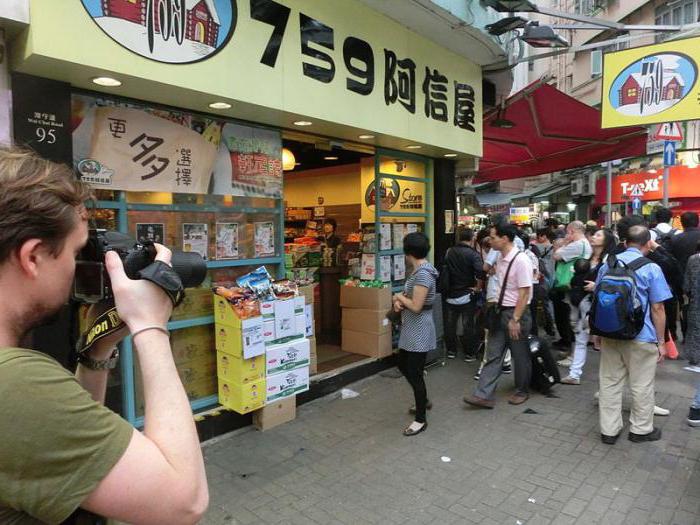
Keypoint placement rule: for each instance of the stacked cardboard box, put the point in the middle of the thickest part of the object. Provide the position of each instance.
(365, 328)
(275, 414)
(311, 295)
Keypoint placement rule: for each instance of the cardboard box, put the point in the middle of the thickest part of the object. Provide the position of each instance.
(285, 321)
(368, 321)
(275, 414)
(367, 298)
(242, 397)
(202, 388)
(269, 330)
(300, 324)
(287, 356)
(287, 384)
(244, 342)
(313, 360)
(309, 320)
(299, 304)
(363, 343)
(197, 303)
(192, 344)
(235, 370)
(267, 309)
(309, 292)
(195, 371)
(225, 314)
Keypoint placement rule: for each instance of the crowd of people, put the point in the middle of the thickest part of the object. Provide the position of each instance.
(504, 288)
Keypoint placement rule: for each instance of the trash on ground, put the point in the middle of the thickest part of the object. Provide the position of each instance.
(530, 411)
(347, 393)
(532, 500)
(446, 459)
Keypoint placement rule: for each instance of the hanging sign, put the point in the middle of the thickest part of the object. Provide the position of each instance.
(669, 131)
(651, 84)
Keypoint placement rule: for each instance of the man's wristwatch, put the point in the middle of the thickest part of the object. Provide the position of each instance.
(105, 364)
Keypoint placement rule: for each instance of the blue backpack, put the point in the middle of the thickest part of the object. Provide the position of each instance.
(616, 312)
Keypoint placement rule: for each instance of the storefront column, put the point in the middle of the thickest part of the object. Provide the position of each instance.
(444, 200)
(5, 94)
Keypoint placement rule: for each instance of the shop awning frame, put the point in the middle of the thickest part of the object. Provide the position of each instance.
(552, 132)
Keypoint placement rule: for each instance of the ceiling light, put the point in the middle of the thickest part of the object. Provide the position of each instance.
(302, 123)
(365, 137)
(511, 6)
(450, 155)
(505, 25)
(330, 158)
(106, 81)
(220, 105)
(288, 160)
(413, 146)
(542, 36)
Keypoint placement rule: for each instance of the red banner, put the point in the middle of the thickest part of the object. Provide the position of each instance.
(683, 182)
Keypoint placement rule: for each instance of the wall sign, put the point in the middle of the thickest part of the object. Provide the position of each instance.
(682, 182)
(171, 31)
(41, 116)
(651, 84)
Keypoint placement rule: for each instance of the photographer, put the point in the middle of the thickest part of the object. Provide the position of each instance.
(61, 448)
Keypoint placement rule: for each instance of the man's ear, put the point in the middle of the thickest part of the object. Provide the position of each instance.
(29, 255)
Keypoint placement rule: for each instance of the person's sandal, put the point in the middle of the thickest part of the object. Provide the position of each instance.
(412, 410)
(408, 432)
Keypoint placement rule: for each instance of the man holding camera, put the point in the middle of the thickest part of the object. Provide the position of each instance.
(61, 448)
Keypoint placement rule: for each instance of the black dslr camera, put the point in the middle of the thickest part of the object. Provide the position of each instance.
(92, 284)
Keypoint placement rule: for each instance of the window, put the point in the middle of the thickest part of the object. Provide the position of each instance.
(569, 83)
(632, 92)
(596, 62)
(678, 13)
(531, 65)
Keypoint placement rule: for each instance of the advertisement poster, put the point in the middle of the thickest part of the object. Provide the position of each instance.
(398, 233)
(249, 162)
(449, 221)
(367, 271)
(150, 232)
(385, 236)
(399, 267)
(195, 238)
(120, 146)
(264, 239)
(385, 268)
(226, 240)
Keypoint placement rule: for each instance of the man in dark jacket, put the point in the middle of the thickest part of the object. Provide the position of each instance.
(464, 271)
(684, 244)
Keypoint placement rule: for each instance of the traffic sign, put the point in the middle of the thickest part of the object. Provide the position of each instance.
(637, 190)
(669, 131)
(636, 203)
(669, 153)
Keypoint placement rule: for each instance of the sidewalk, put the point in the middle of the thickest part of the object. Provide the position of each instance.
(346, 462)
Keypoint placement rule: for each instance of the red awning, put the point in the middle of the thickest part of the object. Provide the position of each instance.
(552, 132)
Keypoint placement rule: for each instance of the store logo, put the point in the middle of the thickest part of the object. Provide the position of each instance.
(640, 188)
(93, 172)
(170, 31)
(410, 200)
(653, 84)
(388, 193)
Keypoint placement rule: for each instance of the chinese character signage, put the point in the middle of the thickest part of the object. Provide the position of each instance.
(335, 61)
(651, 84)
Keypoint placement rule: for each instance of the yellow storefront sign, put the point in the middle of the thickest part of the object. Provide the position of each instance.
(335, 62)
(651, 84)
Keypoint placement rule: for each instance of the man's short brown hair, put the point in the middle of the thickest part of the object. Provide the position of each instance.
(38, 200)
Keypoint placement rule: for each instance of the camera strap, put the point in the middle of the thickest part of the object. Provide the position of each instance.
(160, 274)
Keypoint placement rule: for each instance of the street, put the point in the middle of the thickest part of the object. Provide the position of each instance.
(345, 461)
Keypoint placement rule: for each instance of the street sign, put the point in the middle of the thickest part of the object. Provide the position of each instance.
(637, 190)
(669, 153)
(669, 131)
(636, 203)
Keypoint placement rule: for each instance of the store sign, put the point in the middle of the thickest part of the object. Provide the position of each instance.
(395, 195)
(651, 84)
(170, 31)
(289, 57)
(683, 182)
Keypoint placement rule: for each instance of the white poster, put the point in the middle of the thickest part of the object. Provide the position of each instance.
(399, 267)
(411, 228)
(264, 239)
(385, 268)
(226, 240)
(195, 238)
(385, 236)
(135, 151)
(150, 232)
(398, 232)
(449, 221)
(367, 272)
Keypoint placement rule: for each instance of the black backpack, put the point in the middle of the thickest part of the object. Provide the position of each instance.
(616, 312)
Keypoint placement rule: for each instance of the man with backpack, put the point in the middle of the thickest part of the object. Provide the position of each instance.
(663, 232)
(628, 313)
(460, 278)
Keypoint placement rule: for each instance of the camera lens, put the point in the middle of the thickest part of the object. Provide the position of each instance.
(190, 266)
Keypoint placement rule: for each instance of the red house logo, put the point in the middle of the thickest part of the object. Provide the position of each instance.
(171, 31)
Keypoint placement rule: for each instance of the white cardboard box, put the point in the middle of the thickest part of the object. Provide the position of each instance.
(267, 309)
(299, 303)
(285, 321)
(309, 318)
(287, 384)
(269, 330)
(287, 356)
(301, 324)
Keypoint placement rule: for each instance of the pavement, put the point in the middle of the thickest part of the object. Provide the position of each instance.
(344, 461)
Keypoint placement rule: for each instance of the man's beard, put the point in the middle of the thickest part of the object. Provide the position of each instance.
(42, 316)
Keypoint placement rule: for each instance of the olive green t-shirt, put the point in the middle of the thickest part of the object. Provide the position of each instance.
(56, 442)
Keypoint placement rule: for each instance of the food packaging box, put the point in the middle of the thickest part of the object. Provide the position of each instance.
(267, 309)
(313, 361)
(300, 324)
(308, 292)
(309, 320)
(244, 342)
(192, 344)
(197, 303)
(299, 303)
(368, 321)
(275, 414)
(225, 314)
(287, 356)
(242, 397)
(269, 330)
(285, 321)
(233, 370)
(367, 298)
(287, 384)
(363, 343)
(194, 371)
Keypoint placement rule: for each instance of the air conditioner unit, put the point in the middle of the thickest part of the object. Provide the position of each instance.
(588, 186)
(576, 186)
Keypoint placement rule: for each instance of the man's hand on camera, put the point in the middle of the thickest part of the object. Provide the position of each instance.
(140, 303)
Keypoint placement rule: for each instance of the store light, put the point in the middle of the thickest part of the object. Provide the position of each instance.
(365, 137)
(302, 123)
(330, 158)
(413, 146)
(288, 160)
(542, 36)
(220, 105)
(106, 81)
(570, 206)
(450, 155)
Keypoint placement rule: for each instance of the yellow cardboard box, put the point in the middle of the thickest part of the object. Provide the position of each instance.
(244, 342)
(194, 371)
(197, 303)
(240, 370)
(203, 388)
(242, 397)
(192, 344)
(225, 314)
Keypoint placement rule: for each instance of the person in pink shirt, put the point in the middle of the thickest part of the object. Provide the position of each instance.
(509, 322)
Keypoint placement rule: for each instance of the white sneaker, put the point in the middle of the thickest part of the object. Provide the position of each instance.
(565, 362)
(658, 411)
